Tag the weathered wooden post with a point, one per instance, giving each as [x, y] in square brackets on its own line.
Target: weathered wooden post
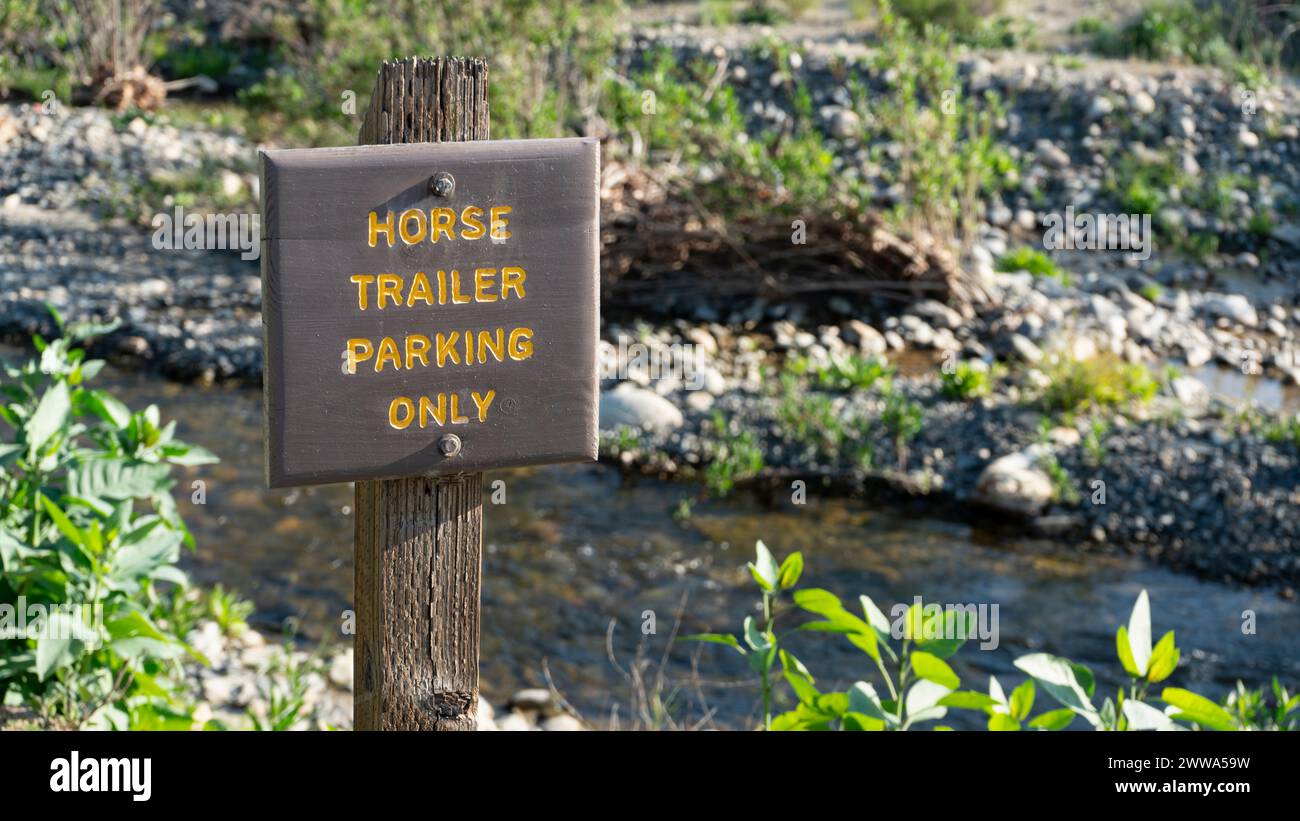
[429, 312]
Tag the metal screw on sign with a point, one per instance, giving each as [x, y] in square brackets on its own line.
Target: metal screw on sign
[449, 445]
[442, 184]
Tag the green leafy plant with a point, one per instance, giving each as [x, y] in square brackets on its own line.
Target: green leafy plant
[1034, 262]
[75, 542]
[285, 692]
[1102, 380]
[736, 455]
[965, 380]
[229, 611]
[914, 683]
[903, 419]
[760, 647]
[852, 372]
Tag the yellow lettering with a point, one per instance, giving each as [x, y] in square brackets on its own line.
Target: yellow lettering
[405, 404]
[419, 290]
[499, 222]
[456, 419]
[390, 286]
[408, 215]
[387, 353]
[512, 279]
[362, 281]
[482, 281]
[482, 403]
[486, 342]
[417, 347]
[446, 348]
[521, 344]
[358, 350]
[444, 220]
[427, 409]
[376, 228]
[472, 217]
[457, 298]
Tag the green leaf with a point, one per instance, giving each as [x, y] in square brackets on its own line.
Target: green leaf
[874, 616]
[119, 479]
[1125, 652]
[189, 455]
[922, 701]
[816, 600]
[866, 642]
[859, 722]
[63, 523]
[791, 570]
[50, 416]
[755, 638]
[864, 699]
[1062, 680]
[1053, 719]
[1142, 716]
[717, 638]
[967, 700]
[52, 653]
[1198, 709]
[764, 568]
[1164, 659]
[108, 408]
[1139, 633]
[800, 679]
[932, 668]
[1022, 700]
[1001, 722]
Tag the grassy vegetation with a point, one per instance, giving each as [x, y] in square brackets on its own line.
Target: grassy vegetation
[1034, 262]
[735, 455]
[965, 380]
[846, 373]
[904, 419]
[1238, 35]
[1102, 381]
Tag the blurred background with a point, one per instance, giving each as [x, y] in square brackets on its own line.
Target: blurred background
[855, 303]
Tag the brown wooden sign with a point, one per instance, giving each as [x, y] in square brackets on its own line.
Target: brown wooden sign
[429, 308]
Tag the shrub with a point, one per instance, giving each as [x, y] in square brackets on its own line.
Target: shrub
[547, 59]
[948, 155]
[846, 373]
[75, 544]
[735, 456]
[1223, 34]
[909, 656]
[958, 16]
[1103, 380]
[904, 420]
[965, 381]
[1034, 262]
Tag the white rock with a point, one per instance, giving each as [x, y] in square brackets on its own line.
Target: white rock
[637, 407]
[1014, 483]
[870, 341]
[562, 723]
[1191, 393]
[340, 672]
[938, 314]
[1234, 307]
[1142, 103]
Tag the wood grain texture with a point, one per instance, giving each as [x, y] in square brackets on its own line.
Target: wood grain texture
[418, 539]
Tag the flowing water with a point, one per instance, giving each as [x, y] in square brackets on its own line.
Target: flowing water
[575, 549]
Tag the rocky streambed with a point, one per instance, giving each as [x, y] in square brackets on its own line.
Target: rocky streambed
[1204, 482]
